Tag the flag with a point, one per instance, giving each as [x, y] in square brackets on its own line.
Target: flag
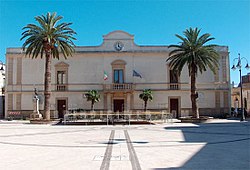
[135, 74]
[105, 76]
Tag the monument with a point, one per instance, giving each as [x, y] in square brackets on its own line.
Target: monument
[36, 114]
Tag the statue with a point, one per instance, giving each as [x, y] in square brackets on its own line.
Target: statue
[36, 114]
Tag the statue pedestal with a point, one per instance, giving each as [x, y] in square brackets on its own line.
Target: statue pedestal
[36, 114]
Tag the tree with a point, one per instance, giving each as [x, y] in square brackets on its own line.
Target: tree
[48, 39]
[92, 96]
[146, 96]
[193, 52]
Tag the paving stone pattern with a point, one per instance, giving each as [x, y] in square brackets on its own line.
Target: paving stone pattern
[219, 144]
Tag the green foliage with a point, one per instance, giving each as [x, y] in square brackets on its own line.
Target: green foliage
[48, 36]
[93, 96]
[193, 52]
[146, 96]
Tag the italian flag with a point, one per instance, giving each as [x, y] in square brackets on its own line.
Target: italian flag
[105, 76]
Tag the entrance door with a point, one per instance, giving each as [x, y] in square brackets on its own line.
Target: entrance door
[174, 107]
[118, 105]
[61, 108]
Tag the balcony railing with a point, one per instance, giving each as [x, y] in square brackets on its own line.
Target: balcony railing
[61, 87]
[118, 87]
[174, 86]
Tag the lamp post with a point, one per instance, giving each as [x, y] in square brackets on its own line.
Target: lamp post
[238, 66]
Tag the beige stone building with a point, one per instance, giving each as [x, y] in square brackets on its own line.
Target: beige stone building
[236, 99]
[118, 56]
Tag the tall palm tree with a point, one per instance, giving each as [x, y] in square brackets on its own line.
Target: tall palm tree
[48, 39]
[193, 52]
[146, 96]
[92, 96]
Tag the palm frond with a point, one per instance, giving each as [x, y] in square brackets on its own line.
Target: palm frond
[58, 37]
[192, 50]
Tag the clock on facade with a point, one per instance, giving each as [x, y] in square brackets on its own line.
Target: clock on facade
[118, 46]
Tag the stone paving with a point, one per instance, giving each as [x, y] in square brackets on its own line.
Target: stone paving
[219, 144]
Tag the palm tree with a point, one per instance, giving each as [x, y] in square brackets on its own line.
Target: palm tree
[193, 52]
[146, 96]
[48, 39]
[92, 96]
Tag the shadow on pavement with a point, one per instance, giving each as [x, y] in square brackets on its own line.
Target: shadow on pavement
[227, 146]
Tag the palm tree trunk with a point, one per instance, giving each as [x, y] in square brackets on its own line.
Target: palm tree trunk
[145, 105]
[47, 84]
[92, 105]
[193, 94]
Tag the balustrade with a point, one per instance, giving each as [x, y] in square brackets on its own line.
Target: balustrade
[118, 86]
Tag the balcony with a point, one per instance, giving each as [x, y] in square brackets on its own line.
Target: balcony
[118, 87]
[174, 86]
[61, 87]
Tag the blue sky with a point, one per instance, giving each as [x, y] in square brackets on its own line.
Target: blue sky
[153, 22]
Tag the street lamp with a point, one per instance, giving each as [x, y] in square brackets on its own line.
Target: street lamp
[238, 66]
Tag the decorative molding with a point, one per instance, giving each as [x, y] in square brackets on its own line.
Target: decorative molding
[224, 68]
[62, 65]
[18, 101]
[19, 71]
[226, 102]
[118, 62]
[217, 99]
[118, 34]
[10, 101]
[10, 70]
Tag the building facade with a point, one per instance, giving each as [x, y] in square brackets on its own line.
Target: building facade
[119, 69]
[236, 99]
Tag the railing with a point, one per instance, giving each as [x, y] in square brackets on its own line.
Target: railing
[61, 87]
[174, 86]
[118, 87]
[110, 117]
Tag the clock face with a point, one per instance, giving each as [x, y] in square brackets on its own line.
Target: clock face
[118, 46]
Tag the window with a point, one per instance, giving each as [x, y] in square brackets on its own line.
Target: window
[173, 79]
[118, 76]
[61, 80]
[61, 77]
[173, 76]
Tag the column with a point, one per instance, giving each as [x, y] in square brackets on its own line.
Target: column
[128, 101]
[109, 102]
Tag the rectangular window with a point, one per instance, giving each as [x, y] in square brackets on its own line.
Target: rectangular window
[61, 77]
[173, 76]
[61, 80]
[118, 76]
[173, 80]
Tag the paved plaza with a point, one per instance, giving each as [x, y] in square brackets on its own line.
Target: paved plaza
[219, 144]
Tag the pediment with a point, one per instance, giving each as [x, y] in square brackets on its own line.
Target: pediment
[118, 35]
[61, 64]
[118, 62]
